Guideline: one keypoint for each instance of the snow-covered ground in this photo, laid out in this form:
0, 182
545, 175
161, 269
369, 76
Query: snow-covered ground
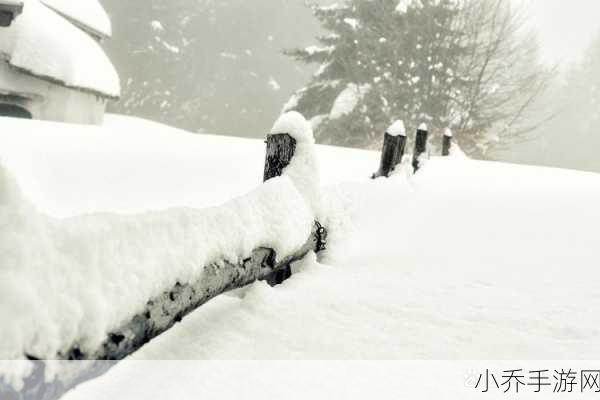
132, 166
465, 260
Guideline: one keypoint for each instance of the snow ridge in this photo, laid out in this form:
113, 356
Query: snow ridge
60, 279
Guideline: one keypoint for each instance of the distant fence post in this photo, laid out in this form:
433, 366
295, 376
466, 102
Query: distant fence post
447, 143
394, 143
280, 151
420, 146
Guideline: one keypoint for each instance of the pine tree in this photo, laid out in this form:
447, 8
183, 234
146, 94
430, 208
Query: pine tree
448, 63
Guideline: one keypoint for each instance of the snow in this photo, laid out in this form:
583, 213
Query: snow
311, 50
231, 56
121, 165
448, 132
304, 168
98, 261
402, 6
83, 232
295, 125
353, 22
423, 127
88, 13
46, 45
348, 99
274, 85
466, 260
397, 129
157, 26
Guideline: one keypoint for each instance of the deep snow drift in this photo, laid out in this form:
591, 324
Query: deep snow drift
464, 260
131, 166
71, 281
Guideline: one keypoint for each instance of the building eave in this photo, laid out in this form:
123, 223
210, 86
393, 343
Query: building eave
100, 36
59, 82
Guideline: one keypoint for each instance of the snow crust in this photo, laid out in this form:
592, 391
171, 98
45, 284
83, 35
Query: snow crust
397, 129
88, 13
46, 45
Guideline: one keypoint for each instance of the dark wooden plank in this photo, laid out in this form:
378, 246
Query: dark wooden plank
420, 146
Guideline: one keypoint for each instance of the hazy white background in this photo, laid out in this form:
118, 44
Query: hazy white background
236, 67
565, 27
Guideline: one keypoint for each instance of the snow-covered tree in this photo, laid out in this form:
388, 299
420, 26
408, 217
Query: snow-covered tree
463, 64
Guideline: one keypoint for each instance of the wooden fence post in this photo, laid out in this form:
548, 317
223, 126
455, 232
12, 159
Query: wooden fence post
447, 144
420, 146
394, 142
280, 151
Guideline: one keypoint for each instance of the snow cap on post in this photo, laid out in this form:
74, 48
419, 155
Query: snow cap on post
397, 129
423, 127
448, 132
291, 152
294, 124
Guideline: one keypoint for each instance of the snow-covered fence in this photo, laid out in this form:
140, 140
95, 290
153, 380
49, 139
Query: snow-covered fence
282, 143
174, 262
394, 144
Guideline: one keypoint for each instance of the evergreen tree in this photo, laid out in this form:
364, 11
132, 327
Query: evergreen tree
448, 63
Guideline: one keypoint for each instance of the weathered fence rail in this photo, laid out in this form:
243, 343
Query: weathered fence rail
164, 311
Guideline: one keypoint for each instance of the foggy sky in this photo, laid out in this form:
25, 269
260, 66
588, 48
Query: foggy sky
565, 27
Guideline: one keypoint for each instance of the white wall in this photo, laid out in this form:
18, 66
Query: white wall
49, 101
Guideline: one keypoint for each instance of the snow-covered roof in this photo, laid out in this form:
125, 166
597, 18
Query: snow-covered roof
46, 45
87, 14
